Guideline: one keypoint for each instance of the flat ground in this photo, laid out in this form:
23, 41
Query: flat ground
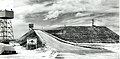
37, 54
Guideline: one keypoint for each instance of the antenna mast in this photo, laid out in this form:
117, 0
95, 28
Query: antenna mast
93, 22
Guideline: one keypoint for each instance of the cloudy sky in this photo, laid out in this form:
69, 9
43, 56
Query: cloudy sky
53, 13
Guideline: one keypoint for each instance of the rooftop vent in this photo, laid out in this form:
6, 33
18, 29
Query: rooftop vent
31, 26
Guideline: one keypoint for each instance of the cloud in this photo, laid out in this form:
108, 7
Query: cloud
52, 13
39, 1
6, 4
66, 6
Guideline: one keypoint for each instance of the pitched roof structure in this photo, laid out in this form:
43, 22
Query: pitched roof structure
45, 38
85, 34
31, 34
55, 43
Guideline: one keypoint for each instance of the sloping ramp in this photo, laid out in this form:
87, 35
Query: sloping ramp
60, 46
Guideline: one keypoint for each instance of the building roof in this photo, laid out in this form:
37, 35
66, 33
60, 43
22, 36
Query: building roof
85, 34
57, 44
48, 40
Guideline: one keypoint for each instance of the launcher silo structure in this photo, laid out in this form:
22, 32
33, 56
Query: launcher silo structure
6, 29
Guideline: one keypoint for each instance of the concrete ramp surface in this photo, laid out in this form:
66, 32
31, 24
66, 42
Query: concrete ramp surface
53, 43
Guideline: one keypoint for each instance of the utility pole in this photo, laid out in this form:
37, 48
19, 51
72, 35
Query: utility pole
93, 22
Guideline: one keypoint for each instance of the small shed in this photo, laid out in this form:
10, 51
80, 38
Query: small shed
30, 40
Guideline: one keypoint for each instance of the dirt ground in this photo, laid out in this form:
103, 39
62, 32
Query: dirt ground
37, 54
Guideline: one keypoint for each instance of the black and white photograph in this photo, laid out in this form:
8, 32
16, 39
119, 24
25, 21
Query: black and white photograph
59, 29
